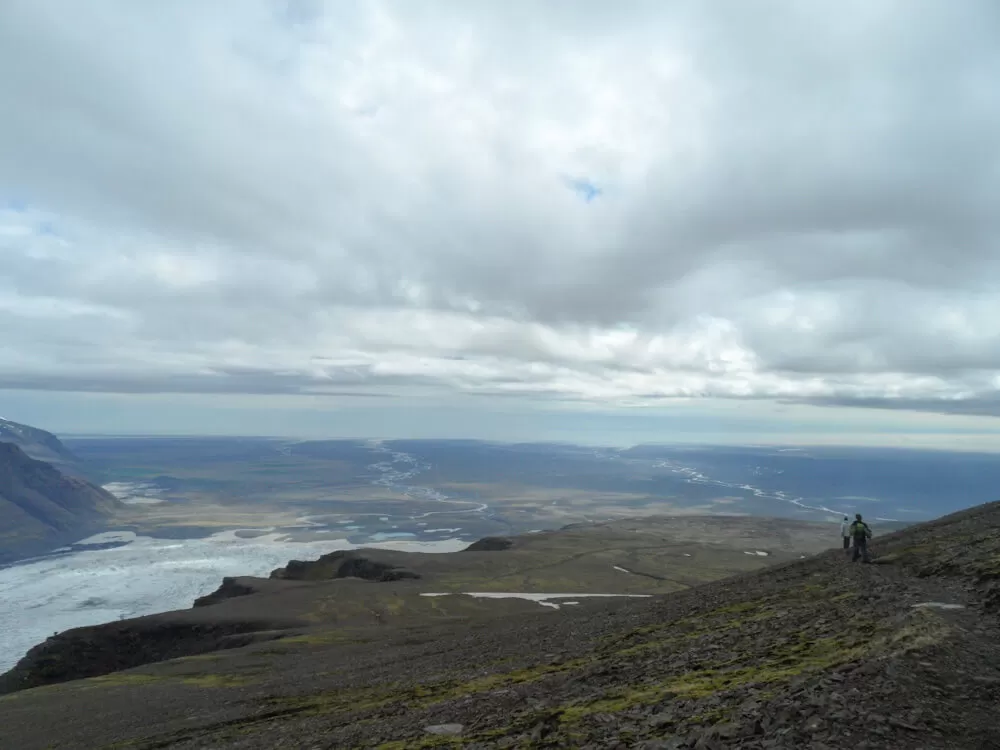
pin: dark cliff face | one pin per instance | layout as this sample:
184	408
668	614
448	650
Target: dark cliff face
490	544
344	564
92	651
40	505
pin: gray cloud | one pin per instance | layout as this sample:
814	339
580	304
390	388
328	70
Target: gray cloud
263	386
985	406
284	197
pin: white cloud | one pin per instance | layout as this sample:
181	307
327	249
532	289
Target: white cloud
285	197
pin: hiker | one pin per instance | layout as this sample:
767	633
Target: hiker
845	532
861	534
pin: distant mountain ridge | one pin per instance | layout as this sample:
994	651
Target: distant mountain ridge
40	506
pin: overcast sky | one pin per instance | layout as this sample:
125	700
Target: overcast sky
501	219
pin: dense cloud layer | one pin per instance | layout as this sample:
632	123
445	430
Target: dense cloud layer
577	200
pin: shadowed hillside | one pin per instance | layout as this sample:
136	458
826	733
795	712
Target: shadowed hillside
42	507
816	653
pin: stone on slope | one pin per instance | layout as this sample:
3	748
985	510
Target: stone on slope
445	729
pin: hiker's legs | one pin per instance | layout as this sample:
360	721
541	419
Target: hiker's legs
861	545
847	545
857	551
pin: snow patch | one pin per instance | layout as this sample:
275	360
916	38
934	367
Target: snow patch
135	493
623	570
542	599
386	536
938	605
233	535
110	537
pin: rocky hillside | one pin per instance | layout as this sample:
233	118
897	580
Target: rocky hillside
816	653
41	507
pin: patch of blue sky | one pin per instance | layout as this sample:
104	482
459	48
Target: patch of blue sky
296	12
585	188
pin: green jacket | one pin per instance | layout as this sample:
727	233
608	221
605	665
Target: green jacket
860	530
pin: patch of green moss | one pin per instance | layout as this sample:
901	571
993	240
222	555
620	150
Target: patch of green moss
32	692
782	664
924	629
612	643
987	569
336	701
428	695
134	679
198	657
424	695
913	551
699	624
121	678
327	637
424	742
690	628
217	680
733	609
798	652
648	647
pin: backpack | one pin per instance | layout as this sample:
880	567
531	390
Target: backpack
860	529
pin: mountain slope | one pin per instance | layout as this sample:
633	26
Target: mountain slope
818	653
38	444
39	505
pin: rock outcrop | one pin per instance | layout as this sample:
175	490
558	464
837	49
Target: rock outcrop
344	564
103	649
230	588
491	544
